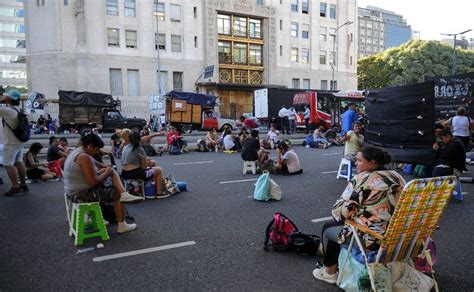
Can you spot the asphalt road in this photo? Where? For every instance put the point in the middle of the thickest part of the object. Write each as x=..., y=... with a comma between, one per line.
x=225, y=223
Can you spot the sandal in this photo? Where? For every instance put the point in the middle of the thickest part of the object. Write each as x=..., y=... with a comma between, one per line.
x=12, y=192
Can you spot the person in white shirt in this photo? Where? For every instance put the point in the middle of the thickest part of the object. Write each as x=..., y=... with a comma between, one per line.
x=284, y=122
x=13, y=148
x=288, y=161
x=292, y=119
x=461, y=126
x=273, y=136
x=229, y=141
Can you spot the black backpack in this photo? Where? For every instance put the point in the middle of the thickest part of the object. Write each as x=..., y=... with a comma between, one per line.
x=22, y=130
x=305, y=244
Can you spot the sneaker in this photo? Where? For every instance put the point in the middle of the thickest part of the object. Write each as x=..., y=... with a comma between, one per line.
x=321, y=274
x=125, y=227
x=162, y=196
x=12, y=192
x=150, y=197
x=24, y=188
x=307, y=146
x=126, y=197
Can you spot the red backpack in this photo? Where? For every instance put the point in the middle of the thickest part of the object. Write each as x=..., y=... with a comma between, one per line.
x=278, y=231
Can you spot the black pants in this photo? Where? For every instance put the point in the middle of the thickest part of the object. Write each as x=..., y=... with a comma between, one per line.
x=306, y=122
x=442, y=171
x=285, y=124
x=333, y=248
x=466, y=141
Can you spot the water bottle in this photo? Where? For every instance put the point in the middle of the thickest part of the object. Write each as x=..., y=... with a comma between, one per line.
x=85, y=250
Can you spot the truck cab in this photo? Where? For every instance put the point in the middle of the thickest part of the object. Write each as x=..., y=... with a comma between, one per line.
x=113, y=119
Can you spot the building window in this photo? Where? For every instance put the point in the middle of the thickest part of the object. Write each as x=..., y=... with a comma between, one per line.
x=295, y=82
x=322, y=57
x=195, y=41
x=281, y=51
x=159, y=10
x=333, y=84
x=163, y=82
x=223, y=24
x=239, y=53
x=304, y=56
x=240, y=26
x=305, y=31
x=160, y=41
x=112, y=7
x=255, y=54
x=129, y=8
x=281, y=24
x=133, y=79
x=294, y=55
x=260, y=2
x=331, y=58
x=322, y=9
x=175, y=13
x=113, y=37
x=350, y=60
x=332, y=32
x=305, y=6
x=324, y=85
x=131, y=39
x=294, y=5
x=255, y=28
x=195, y=12
x=178, y=81
x=332, y=11
x=176, y=43
x=116, y=82
x=294, y=29
x=306, y=83
x=323, y=33
x=225, y=52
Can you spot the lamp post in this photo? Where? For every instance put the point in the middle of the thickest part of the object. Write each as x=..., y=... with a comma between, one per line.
x=333, y=65
x=158, y=55
x=453, y=68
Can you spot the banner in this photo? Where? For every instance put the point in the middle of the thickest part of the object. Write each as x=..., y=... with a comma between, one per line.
x=35, y=103
x=157, y=105
x=401, y=121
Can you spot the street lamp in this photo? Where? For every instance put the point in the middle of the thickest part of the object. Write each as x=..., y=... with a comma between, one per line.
x=453, y=69
x=157, y=44
x=332, y=86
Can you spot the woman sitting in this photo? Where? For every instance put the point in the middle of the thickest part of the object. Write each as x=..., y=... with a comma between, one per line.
x=319, y=138
x=83, y=183
x=55, y=156
x=35, y=169
x=175, y=141
x=354, y=141
x=369, y=199
x=273, y=136
x=125, y=136
x=145, y=142
x=134, y=164
x=231, y=143
x=288, y=161
x=212, y=139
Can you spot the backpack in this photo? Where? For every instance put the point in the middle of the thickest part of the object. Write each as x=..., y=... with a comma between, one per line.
x=262, y=188
x=305, y=244
x=278, y=231
x=23, y=130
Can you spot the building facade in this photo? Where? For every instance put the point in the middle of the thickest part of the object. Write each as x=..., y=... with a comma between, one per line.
x=380, y=29
x=113, y=46
x=12, y=44
x=463, y=43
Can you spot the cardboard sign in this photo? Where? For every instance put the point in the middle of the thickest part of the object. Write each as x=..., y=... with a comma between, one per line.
x=178, y=106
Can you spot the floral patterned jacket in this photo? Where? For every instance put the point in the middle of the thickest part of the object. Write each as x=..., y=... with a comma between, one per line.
x=372, y=197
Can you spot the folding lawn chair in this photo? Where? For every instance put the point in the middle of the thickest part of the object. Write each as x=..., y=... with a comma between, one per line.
x=421, y=205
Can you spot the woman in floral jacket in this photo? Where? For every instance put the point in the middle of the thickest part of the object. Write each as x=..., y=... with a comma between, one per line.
x=369, y=199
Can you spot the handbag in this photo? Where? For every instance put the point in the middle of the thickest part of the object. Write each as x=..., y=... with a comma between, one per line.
x=406, y=278
x=275, y=190
x=169, y=186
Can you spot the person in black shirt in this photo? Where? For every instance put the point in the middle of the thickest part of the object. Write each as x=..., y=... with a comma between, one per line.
x=251, y=147
x=55, y=156
x=451, y=155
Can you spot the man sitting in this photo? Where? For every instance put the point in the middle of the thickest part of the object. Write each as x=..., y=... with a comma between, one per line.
x=176, y=142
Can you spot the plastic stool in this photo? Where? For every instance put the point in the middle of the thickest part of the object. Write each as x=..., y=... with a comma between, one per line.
x=345, y=172
x=141, y=185
x=79, y=226
x=250, y=166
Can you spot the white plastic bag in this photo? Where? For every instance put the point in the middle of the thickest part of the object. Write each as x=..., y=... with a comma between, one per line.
x=275, y=190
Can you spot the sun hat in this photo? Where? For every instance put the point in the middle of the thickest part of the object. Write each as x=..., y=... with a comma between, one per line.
x=14, y=94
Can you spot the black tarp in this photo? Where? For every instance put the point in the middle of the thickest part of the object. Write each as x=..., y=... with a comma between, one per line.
x=452, y=92
x=401, y=121
x=193, y=98
x=87, y=98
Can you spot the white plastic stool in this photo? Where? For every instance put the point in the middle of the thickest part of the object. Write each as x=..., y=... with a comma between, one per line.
x=250, y=166
x=347, y=169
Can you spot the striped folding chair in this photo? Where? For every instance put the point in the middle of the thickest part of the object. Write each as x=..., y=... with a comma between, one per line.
x=421, y=205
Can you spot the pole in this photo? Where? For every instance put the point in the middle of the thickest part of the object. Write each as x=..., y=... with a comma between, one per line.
x=158, y=57
x=453, y=69
x=332, y=85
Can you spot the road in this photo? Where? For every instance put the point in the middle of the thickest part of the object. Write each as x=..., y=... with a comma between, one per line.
x=222, y=224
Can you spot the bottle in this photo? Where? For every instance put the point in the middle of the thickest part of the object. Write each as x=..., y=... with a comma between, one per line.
x=85, y=250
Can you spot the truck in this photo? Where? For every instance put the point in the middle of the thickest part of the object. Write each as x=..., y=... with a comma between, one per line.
x=188, y=111
x=82, y=111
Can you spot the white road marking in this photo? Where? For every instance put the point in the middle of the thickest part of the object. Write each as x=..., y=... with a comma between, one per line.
x=197, y=162
x=237, y=181
x=332, y=171
x=322, y=219
x=142, y=251
x=326, y=154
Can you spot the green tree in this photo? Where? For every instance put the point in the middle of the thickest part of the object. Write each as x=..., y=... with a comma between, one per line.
x=410, y=63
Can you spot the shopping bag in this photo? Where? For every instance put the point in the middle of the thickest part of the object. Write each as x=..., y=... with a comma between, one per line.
x=262, y=188
x=275, y=190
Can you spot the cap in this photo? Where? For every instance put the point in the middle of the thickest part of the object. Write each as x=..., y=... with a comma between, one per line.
x=14, y=94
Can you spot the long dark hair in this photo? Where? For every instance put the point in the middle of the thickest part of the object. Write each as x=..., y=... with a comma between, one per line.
x=35, y=148
x=93, y=140
x=376, y=154
x=134, y=138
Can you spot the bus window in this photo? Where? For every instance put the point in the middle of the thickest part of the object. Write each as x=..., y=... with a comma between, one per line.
x=324, y=104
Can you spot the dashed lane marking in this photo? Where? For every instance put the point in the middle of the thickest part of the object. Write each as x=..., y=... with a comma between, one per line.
x=332, y=171
x=322, y=219
x=196, y=162
x=237, y=181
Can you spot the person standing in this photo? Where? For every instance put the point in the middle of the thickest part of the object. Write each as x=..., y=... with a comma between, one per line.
x=292, y=119
x=461, y=127
x=306, y=114
x=283, y=114
x=348, y=118
x=13, y=147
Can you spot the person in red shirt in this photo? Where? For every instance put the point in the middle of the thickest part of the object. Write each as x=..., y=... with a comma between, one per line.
x=248, y=123
x=174, y=139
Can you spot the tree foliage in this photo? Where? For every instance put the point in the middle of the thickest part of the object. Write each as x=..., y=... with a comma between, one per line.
x=410, y=63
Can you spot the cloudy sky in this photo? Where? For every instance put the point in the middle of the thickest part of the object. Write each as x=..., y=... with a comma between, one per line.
x=431, y=17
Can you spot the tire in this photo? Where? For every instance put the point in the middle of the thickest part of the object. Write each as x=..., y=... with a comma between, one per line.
x=135, y=129
x=186, y=129
x=226, y=125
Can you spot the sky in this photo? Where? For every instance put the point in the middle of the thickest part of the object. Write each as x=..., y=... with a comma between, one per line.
x=431, y=17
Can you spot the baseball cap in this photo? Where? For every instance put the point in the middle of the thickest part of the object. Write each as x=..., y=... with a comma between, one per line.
x=14, y=94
